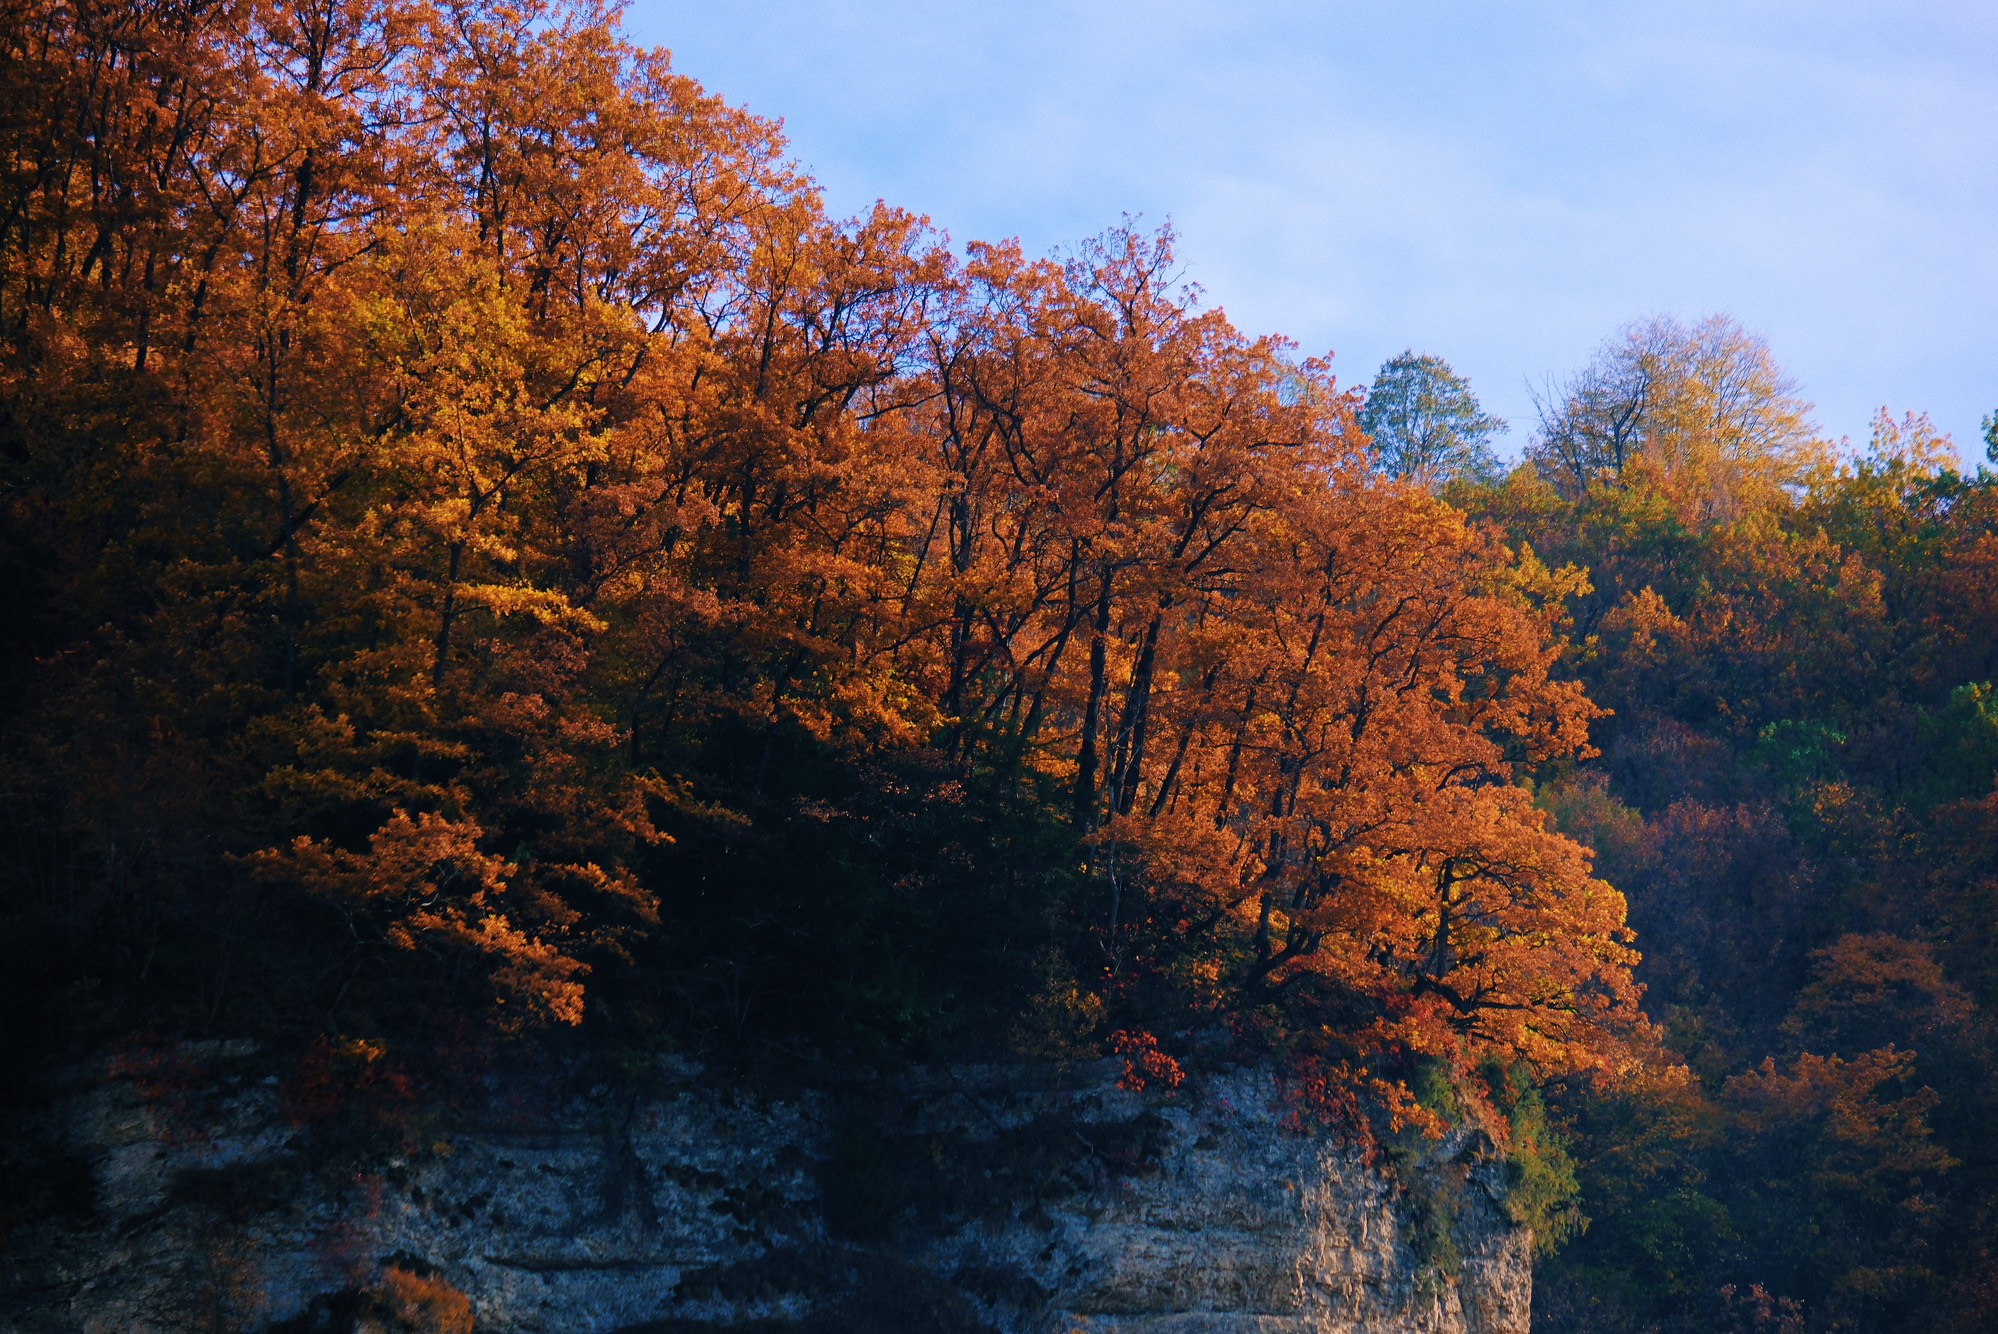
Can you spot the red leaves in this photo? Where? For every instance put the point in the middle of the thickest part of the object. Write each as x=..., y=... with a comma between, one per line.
x=353, y=1079
x=1145, y=1066
x=1318, y=1094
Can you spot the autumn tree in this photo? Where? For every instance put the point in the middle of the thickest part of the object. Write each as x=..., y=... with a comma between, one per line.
x=453, y=457
x=1706, y=409
x=1796, y=742
x=1354, y=802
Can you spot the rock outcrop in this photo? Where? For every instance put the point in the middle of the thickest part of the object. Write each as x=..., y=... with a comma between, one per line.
x=962, y=1199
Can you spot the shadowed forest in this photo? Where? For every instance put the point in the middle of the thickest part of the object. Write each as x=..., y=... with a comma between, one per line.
x=489, y=565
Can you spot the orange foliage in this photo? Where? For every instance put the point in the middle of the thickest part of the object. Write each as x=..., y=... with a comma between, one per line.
x=1336, y=1095
x=1873, y=987
x=421, y=1304
x=475, y=410
x=1873, y=1118
x=1145, y=1066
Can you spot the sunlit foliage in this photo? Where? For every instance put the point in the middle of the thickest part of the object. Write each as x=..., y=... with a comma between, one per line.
x=464, y=493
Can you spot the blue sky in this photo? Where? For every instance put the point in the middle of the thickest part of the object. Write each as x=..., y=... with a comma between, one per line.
x=1501, y=184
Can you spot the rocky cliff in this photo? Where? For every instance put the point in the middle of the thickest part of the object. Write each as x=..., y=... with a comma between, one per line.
x=963, y=1199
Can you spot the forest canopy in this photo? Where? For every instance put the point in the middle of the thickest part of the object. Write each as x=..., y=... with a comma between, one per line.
x=454, y=458
x=488, y=558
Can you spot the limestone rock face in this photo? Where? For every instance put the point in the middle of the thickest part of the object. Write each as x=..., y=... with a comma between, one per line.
x=962, y=1199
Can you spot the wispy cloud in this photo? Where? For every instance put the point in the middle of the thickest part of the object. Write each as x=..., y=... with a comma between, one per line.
x=1500, y=183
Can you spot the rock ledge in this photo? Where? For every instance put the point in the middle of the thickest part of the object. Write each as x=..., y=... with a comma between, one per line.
x=995, y=1199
